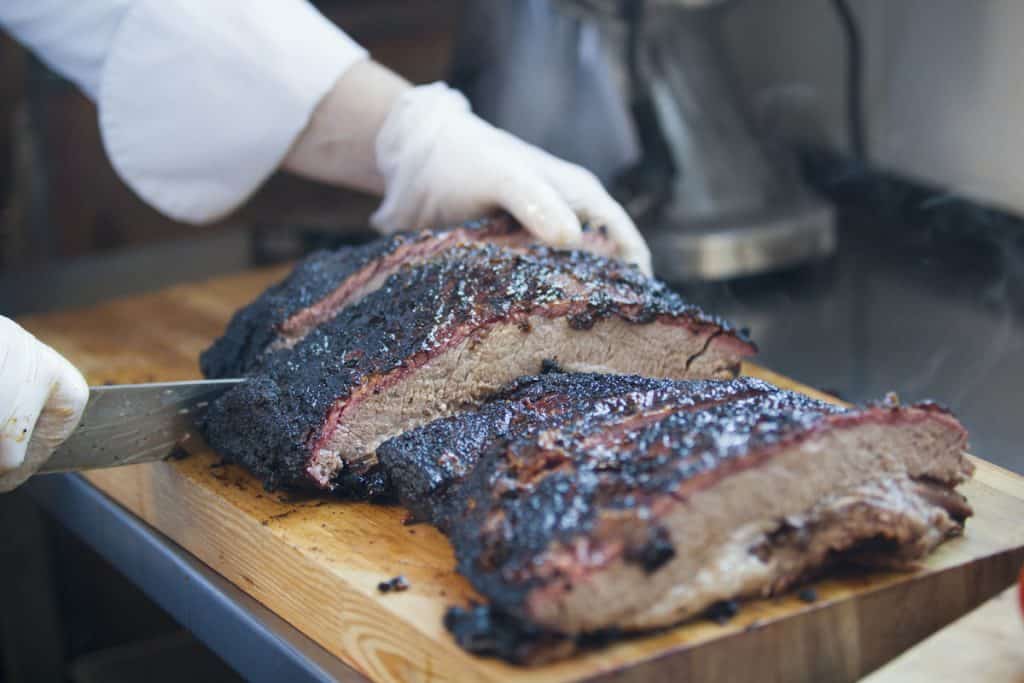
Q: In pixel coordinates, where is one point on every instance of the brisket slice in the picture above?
(424, 463)
(441, 336)
(580, 510)
(325, 282)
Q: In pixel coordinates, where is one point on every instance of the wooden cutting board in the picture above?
(985, 645)
(317, 562)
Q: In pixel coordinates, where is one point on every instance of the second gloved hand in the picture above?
(42, 397)
(442, 164)
(436, 163)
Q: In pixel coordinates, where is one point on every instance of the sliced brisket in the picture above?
(441, 336)
(425, 462)
(579, 503)
(327, 281)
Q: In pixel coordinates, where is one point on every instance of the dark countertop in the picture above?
(917, 301)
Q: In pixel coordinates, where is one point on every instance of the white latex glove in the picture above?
(442, 164)
(42, 397)
(436, 163)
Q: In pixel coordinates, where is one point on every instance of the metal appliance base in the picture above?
(765, 243)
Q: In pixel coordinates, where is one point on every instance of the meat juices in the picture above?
(439, 336)
(582, 504)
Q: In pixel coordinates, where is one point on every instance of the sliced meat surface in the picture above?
(443, 335)
(424, 463)
(326, 282)
(578, 511)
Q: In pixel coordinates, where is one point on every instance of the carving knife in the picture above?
(133, 423)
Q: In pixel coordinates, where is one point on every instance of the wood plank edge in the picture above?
(836, 641)
(197, 519)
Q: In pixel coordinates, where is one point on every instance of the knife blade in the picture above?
(132, 423)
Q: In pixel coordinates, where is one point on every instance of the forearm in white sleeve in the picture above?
(199, 100)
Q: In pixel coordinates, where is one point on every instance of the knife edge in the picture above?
(134, 423)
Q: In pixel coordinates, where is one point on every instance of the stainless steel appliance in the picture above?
(640, 92)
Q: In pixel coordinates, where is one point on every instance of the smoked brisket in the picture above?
(325, 282)
(442, 335)
(581, 505)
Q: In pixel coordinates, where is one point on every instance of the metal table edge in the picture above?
(254, 641)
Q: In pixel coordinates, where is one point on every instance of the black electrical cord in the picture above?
(644, 187)
(854, 80)
(654, 146)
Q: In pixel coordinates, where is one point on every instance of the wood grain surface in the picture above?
(985, 645)
(317, 561)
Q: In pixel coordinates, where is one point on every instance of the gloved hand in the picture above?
(437, 163)
(42, 397)
(443, 164)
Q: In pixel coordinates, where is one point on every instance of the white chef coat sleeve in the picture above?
(199, 100)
